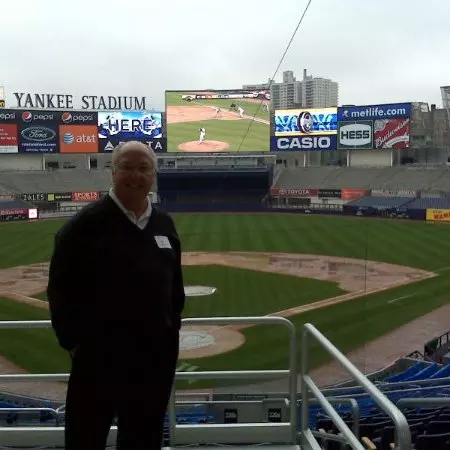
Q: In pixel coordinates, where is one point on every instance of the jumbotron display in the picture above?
(218, 121)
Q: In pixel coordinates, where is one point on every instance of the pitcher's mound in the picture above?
(205, 146)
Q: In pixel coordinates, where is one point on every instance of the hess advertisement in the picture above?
(116, 127)
(353, 135)
(305, 129)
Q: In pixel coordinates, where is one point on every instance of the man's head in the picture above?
(133, 171)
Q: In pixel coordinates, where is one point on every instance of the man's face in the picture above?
(133, 175)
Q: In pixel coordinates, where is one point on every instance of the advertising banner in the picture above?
(9, 131)
(303, 143)
(438, 215)
(77, 118)
(7, 211)
(373, 112)
(354, 194)
(392, 133)
(51, 131)
(85, 196)
(329, 193)
(59, 197)
(4, 196)
(304, 129)
(115, 127)
(9, 141)
(302, 122)
(78, 139)
(396, 193)
(353, 135)
(293, 192)
(34, 197)
(38, 138)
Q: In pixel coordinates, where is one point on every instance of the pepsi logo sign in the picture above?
(27, 116)
(7, 116)
(38, 134)
(68, 117)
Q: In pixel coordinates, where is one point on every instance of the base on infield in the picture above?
(357, 277)
(205, 146)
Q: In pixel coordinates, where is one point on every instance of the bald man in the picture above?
(116, 296)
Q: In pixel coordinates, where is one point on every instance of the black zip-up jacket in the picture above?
(110, 281)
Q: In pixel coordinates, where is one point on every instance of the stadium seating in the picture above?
(382, 202)
(77, 180)
(390, 178)
(430, 202)
(430, 426)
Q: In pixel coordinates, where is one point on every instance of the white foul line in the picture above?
(401, 298)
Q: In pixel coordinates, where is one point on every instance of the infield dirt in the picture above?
(357, 277)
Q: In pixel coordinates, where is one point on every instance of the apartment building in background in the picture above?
(318, 92)
(445, 92)
(310, 92)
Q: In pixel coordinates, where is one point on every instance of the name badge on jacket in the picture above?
(162, 242)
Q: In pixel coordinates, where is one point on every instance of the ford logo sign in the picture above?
(38, 134)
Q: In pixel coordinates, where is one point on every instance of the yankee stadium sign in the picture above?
(65, 101)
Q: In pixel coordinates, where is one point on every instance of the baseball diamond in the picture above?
(306, 268)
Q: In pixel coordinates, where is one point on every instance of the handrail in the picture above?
(255, 374)
(403, 434)
(426, 401)
(337, 401)
(292, 372)
(51, 411)
(391, 386)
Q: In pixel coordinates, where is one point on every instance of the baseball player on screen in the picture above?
(218, 111)
(202, 132)
(241, 112)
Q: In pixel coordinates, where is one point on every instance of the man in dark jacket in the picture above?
(116, 296)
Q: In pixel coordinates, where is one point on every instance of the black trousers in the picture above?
(130, 382)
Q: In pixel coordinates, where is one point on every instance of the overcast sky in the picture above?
(379, 51)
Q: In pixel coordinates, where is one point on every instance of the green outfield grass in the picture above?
(230, 131)
(245, 292)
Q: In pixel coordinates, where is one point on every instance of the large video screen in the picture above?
(218, 121)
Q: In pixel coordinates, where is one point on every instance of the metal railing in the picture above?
(53, 413)
(243, 375)
(284, 432)
(403, 434)
(342, 401)
(423, 402)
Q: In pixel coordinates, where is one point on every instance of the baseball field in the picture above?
(225, 131)
(355, 279)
